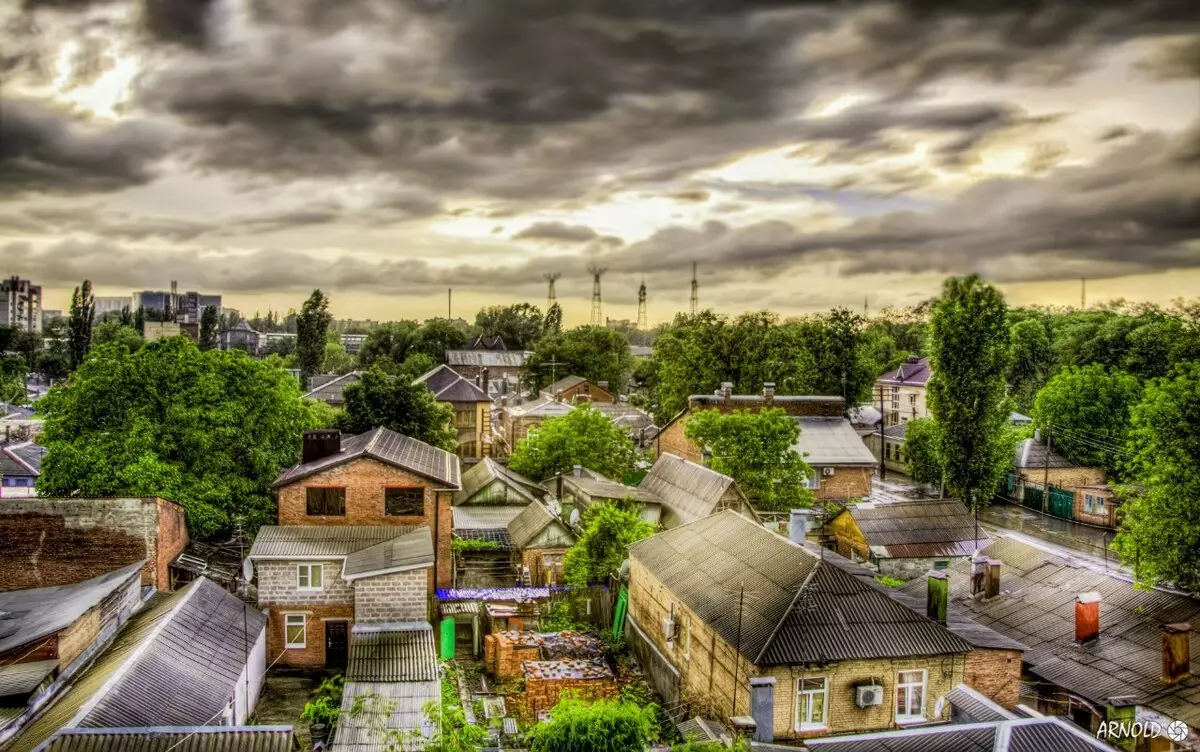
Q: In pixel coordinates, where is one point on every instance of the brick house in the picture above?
(690, 492)
(317, 581)
(821, 649)
(903, 391)
(61, 541)
(1036, 464)
(1097, 505)
(376, 478)
(578, 389)
(542, 540)
(842, 464)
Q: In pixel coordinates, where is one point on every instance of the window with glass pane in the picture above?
(910, 695)
(811, 695)
(308, 576)
(404, 502)
(295, 631)
(325, 501)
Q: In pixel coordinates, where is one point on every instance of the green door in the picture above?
(1062, 503)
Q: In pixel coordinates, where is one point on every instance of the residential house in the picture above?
(518, 421)
(20, 465)
(491, 496)
(902, 391)
(1099, 648)
(153, 331)
(489, 483)
(391, 676)
(376, 478)
(21, 304)
(48, 634)
(315, 581)
(1036, 465)
(472, 409)
(672, 438)
(842, 464)
(240, 337)
(542, 539)
(732, 620)
(905, 539)
(579, 489)
(330, 388)
(195, 657)
(691, 492)
(1097, 505)
(501, 365)
(578, 389)
(865, 419)
(892, 440)
(57, 541)
(183, 739)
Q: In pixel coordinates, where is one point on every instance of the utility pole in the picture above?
(882, 446)
(597, 308)
(641, 319)
(551, 298)
(695, 291)
(1046, 475)
(737, 657)
(449, 291)
(1083, 294)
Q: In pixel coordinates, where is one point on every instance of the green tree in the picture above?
(755, 449)
(583, 436)
(607, 529)
(593, 352)
(29, 344)
(415, 365)
(1160, 519)
(843, 365)
(336, 360)
(519, 325)
(921, 444)
(1029, 360)
(1087, 412)
(210, 430)
(552, 324)
(115, 331)
(209, 321)
(311, 325)
(436, 336)
(407, 408)
(600, 726)
(79, 325)
(392, 341)
(969, 357)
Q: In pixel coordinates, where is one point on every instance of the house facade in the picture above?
(842, 465)
(1036, 466)
(578, 389)
(472, 409)
(542, 540)
(902, 391)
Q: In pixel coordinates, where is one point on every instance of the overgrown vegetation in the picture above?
(473, 544)
(601, 726)
(326, 705)
(892, 582)
(583, 436)
(599, 551)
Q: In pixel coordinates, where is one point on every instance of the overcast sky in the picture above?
(804, 154)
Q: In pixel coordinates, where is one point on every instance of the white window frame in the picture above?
(813, 482)
(803, 725)
(289, 622)
(304, 571)
(908, 716)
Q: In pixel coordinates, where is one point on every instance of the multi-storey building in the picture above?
(21, 304)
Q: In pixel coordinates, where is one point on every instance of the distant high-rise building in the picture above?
(112, 304)
(186, 306)
(21, 304)
(50, 314)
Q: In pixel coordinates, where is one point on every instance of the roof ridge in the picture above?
(787, 611)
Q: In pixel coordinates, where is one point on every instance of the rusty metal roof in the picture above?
(389, 447)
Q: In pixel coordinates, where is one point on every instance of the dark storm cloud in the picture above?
(1175, 59)
(556, 232)
(181, 21)
(45, 150)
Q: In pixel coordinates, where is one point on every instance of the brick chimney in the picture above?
(727, 391)
(1176, 658)
(769, 392)
(1087, 617)
(320, 443)
(937, 595)
(991, 588)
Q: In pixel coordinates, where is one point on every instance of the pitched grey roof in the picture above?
(24, 459)
(333, 390)
(462, 390)
(831, 441)
(490, 358)
(484, 517)
(1032, 454)
(596, 486)
(688, 491)
(799, 609)
(479, 475)
(193, 739)
(913, 372)
(898, 431)
(1036, 607)
(438, 378)
(533, 519)
(975, 706)
(700, 729)
(388, 447)
(28, 615)
(911, 529)
(23, 678)
(542, 406)
(1016, 735)
(320, 541)
(392, 652)
(410, 550)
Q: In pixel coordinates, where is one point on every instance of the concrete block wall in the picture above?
(401, 596)
(278, 584)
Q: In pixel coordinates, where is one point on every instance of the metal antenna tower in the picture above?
(551, 298)
(641, 319)
(695, 291)
(597, 314)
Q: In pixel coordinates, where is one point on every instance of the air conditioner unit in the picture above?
(827, 471)
(868, 695)
(669, 628)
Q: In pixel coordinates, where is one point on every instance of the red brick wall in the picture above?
(593, 392)
(364, 480)
(444, 565)
(671, 440)
(313, 654)
(172, 537)
(542, 694)
(503, 659)
(42, 550)
(845, 483)
(532, 558)
(996, 674)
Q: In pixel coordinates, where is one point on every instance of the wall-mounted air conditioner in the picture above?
(868, 695)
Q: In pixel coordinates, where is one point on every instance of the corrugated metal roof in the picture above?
(389, 447)
(831, 442)
(199, 739)
(25, 459)
(1015, 735)
(333, 391)
(28, 615)
(563, 384)
(702, 730)
(546, 407)
(688, 491)
(976, 707)
(909, 529)
(321, 541)
(499, 536)
(392, 653)
(407, 551)
(598, 488)
(532, 520)
(797, 608)
(395, 706)
(489, 358)
(1031, 454)
(479, 517)
(486, 471)
(23, 678)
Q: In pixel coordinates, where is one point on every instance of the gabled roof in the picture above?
(484, 517)
(28, 615)
(532, 520)
(332, 391)
(392, 652)
(23, 459)
(488, 343)
(1032, 453)
(1015, 735)
(321, 541)
(800, 610)
(596, 486)
(487, 358)
(688, 491)
(865, 415)
(831, 441)
(913, 372)
(908, 529)
(412, 550)
(186, 739)
(438, 378)
(563, 384)
(390, 448)
(462, 390)
(543, 406)
(487, 470)
(898, 432)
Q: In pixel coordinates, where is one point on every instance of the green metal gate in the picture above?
(1062, 503)
(1033, 497)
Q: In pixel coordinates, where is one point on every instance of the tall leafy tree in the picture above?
(1086, 412)
(921, 444)
(79, 325)
(436, 336)
(113, 331)
(311, 326)
(843, 366)
(392, 342)
(1160, 519)
(209, 322)
(336, 359)
(407, 408)
(519, 325)
(1029, 360)
(755, 449)
(593, 352)
(969, 355)
(552, 324)
(210, 430)
(583, 436)
(607, 529)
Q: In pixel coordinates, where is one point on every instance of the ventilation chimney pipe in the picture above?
(937, 595)
(484, 386)
(1087, 617)
(1176, 660)
(577, 471)
(727, 391)
(320, 443)
(798, 525)
(762, 707)
(978, 572)
(769, 392)
(991, 588)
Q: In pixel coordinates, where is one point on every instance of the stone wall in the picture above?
(401, 596)
(996, 674)
(278, 584)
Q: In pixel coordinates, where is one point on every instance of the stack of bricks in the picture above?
(547, 681)
(505, 652)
